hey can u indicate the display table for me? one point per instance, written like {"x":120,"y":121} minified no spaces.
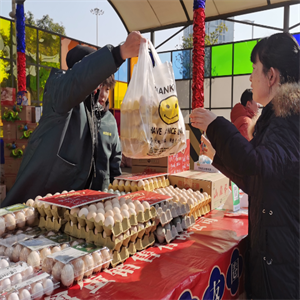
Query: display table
{"x":205,"y":262}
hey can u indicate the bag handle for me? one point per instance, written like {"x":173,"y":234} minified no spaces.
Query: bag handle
{"x":154,"y":53}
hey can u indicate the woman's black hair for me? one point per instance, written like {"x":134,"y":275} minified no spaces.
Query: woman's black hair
{"x":280,"y":51}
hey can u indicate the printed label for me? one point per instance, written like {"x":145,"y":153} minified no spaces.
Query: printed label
{"x":11,"y":209}
{"x":38,"y":244}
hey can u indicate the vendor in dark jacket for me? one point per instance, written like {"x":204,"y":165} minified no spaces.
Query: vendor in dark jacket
{"x":61,"y":152}
{"x":109,"y":152}
{"x":267,"y":168}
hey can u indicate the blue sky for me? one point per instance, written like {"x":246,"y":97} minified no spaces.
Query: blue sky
{"x":80,"y":24}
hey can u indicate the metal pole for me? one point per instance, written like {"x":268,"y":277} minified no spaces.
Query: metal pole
{"x":286,"y":18}
{"x":153,"y":38}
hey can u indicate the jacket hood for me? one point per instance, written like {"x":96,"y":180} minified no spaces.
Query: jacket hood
{"x":287,"y":100}
{"x":77,"y":54}
{"x":240,"y":110}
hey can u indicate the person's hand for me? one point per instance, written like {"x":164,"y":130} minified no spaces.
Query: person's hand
{"x":201,"y":118}
{"x":131,"y":46}
{"x":206,"y":148}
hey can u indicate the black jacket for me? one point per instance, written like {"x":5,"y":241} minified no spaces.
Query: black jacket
{"x":109,"y":152}
{"x":59,"y":154}
{"x":267,"y":169}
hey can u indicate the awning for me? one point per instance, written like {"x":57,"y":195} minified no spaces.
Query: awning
{"x":153,"y":15}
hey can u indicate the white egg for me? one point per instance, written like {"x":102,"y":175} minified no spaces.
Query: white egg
{"x":56,"y":270}
{"x":47,"y":265}
{"x":8,"y":252}
{"x":2,"y":226}
{"x":141,"y":226}
{"x":10,"y":222}
{"x":116,"y":210}
{"x":97,"y":257}
{"x":116,"y":205}
{"x":108,"y":202}
{"x":48,"y":286}
{"x":92,"y":207}
{"x":74,"y":211}
{"x":16,"y":253}
{"x":17,"y":278}
{"x":122,"y":201}
{"x":27,"y":273}
{"x":139,"y":207}
{"x":99,"y":217}
{"x":30,"y":202}
{"x":91,"y":215}
{"x":109,"y":213}
{"x":131,"y":205}
{"x":125,"y":206}
{"x":125,"y":213}
{"x":5,"y":284}
{"x":146,"y":205}
{"x":115,"y":200}
{"x":34,"y":260}
{"x":88,"y":265}
{"x":78,"y":265}
{"x":136,"y":202}
{"x":55,"y":249}
{"x":30,"y":216}
{"x":20,"y":219}
{"x":205,"y":195}
{"x":100,"y":205}
{"x":101,"y":211}
{"x":118,"y":217}
{"x":83,"y":212}
{"x":4,"y":263}
{"x":108,"y":207}
{"x":64,"y":246}
{"x":106,"y":258}
{"x":38,"y":198}
{"x":109,"y":221}
{"x":131,"y":211}
{"x":57,"y":193}
{"x":127,"y":201}
{"x":24,"y":295}
{"x":120,"y":237}
{"x":37,"y":291}
{"x":13,"y":296}
{"x":51,"y":233}
{"x":67,"y":275}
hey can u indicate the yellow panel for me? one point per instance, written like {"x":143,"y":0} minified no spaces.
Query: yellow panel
{"x":133,"y":62}
{"x":119,"y":93}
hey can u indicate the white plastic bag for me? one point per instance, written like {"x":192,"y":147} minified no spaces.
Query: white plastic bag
{"x":151,"y":120}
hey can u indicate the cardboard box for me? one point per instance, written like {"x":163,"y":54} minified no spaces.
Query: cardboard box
{"x":148,"y":169}
{"x":12,"y":166}
{"x":2,"y":192}
{"x":171,"y":164}
{"x":9,"y":130}
{"x":25,"y":114}
{"x":20,"y":144}
{"x":214,"y":184}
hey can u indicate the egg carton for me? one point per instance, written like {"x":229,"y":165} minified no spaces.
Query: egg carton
{"x":51,"y":223}
{"x":119,"y":256}
{"x":17,"y":217}
{"x":4,"y":262}
{"x":200,"y":209}
{"x":167,"y":233}
{"x":14,"y":274}
{"x":51,"y":211}
{"x":73,"y":264}
{"x":39,"y":285}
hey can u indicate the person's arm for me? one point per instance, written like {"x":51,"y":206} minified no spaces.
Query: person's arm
{"x":242,"y":158}
{"x":73,"y":86}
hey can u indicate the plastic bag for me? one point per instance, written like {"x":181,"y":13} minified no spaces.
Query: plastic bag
{"x":152,"y":124}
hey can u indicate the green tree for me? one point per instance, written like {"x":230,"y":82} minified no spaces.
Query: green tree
{"x":45,"y":23}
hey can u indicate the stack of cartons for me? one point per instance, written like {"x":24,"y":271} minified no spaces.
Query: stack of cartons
{"x":171,"y":164}
{"x":18,"y":124}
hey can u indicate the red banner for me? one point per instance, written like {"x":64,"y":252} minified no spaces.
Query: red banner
{"x":205,"y":262}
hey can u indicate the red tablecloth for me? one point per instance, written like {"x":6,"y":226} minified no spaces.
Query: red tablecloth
{"x":205,"y":262}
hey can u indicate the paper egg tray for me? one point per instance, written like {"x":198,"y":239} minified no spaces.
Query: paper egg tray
{"x":119,"y":256}
{"x":200,"y":209}
{"x":56,"y":212}
{"x":51,"y":223}
{"x":116,"y":230}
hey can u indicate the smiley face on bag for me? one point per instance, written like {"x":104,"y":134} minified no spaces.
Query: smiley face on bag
{"x":169,"y":110}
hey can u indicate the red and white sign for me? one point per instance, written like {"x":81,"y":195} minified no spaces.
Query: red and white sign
{"x":150,"y":197}
{"x":77,"y":198}
{"x":141,"y":176}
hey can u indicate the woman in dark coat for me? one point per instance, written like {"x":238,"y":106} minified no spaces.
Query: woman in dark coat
{"x":267,"y":168}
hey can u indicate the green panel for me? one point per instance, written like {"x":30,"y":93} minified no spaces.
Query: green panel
{"x":5,"y":38}
{"x":221,"y":60}
{"x":43,"y":77}
{"x":242,"y":54}
{"x":31,"y":45}
{"x":49,"y":49}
